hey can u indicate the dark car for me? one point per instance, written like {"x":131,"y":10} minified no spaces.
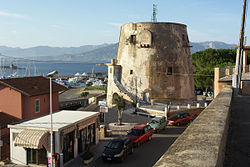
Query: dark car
{"x":118,"y":149}
{"x":180,"y":118}
{"x":140,"y":134}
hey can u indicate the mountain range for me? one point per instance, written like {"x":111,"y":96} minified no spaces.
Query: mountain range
{"x":88,"y":53}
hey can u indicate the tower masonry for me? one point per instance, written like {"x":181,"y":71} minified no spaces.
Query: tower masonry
{"x":153,"y":64}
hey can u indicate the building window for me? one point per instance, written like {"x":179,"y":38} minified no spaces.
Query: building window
{"x":36,"y":156}
{"x":169,"y":71}
{"x":110,"y":70}
{"x":37,"y":105}
{"x":131,"y":72}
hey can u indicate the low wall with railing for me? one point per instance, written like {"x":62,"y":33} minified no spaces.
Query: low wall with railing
{"x":203,"y":142}
{"x":229,"y":70}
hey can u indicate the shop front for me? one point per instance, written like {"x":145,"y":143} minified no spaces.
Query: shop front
{"x":68,"y":146}
{"x":87,"y":138}
{"x":74,"y":132}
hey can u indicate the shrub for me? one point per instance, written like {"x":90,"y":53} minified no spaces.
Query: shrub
{"x":84,"y":94}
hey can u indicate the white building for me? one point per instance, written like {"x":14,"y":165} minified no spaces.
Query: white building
{"x":74,"y":132}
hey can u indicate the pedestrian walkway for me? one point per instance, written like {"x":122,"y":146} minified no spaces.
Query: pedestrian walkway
{"x":238,"y":141}
{"x":96,"y":150}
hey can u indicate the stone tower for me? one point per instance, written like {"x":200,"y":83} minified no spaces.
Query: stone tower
{"x":153,"y":64}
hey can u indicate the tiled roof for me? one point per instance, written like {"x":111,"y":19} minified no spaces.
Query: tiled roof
{"x":32,"y":86}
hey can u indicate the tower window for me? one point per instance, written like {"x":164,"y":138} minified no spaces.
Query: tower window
{"x":169,"y":71}
{"x":183,"y":37}
{"x":131,"y":72}
{"x":133,"y":39}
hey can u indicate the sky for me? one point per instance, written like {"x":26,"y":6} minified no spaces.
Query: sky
{"x":71,"y":23}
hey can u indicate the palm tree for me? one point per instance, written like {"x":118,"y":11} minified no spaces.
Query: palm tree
{"x":120,"y":104}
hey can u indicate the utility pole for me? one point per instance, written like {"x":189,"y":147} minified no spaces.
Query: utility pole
{"x":238,"y":65}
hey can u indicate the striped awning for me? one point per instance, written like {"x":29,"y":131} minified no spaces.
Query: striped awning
{"x":35,"y":139}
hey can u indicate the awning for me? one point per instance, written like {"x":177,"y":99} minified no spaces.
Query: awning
{"x":35,"y":139}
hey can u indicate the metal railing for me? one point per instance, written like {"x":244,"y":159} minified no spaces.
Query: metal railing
{"x":229,"y":70}
{"x":126,"y":91}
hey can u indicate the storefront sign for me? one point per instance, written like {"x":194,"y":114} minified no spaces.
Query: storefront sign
{"x":102,"y":103}
{"x":103,"y":109}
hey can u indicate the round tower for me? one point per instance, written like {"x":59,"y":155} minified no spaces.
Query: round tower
{"x":153,"y":63}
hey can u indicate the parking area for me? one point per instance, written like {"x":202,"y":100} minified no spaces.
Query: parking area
{"x":149,"y":152}
{"x":146,"y":155}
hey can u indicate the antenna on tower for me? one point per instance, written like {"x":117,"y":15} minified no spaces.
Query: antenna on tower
{"x":153,"y":18}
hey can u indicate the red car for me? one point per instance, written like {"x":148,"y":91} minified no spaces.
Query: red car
{"x":180,"y":118}
{"x":140,"y":134}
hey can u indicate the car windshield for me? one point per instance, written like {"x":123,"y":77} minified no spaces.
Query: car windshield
{"x":134,"y":132}
{"x":154,"y":122}
{"x":114,"y":144}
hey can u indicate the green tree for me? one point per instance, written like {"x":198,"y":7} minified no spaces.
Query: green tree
{"x":205,"y":61}
{"x":84,"y":94}
{"x":120,"y":104}
{"x":89,"y":84}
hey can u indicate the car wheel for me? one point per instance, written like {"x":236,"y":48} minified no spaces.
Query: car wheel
{"x":149,"y":138}
{"x":178,"y":124}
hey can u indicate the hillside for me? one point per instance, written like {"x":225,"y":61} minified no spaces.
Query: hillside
{"x":89,"y":53}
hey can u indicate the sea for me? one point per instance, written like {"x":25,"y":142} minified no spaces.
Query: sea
{"x":43,"y":68}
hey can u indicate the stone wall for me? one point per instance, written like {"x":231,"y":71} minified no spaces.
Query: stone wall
{"x":203,"y":142}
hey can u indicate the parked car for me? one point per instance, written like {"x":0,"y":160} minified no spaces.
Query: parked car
{"x":158,"y":123}
{"x":180,"y":118}
{"x":140,"y":134}
{"x":118,"y":149}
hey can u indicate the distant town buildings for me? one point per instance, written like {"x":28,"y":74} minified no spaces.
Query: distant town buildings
{"x":153,"y":64}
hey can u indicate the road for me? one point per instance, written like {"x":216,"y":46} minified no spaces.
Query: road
{"x":238,"y":140}
{"x":148,"y":153}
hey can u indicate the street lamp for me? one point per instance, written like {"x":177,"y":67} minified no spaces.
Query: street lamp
{"x":50,"y":75}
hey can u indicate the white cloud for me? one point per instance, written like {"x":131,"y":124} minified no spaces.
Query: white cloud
{"x":14,"y":15}
{"x":57,"y":26}
{"x":116,"y":24}
{"x":14,"y":32}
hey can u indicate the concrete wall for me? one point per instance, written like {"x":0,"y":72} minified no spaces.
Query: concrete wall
{"x":203,"y":142}
{"x":17,"y":154}
{"x":245,"y":87}
{"x":10,"y":102}
{"x":146,"y":53}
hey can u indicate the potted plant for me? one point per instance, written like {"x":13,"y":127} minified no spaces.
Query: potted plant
{"x":87,"y":157}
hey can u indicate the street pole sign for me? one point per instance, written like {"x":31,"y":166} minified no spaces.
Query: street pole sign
{"x":102,"y":103}
{"x":103,"y":110}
